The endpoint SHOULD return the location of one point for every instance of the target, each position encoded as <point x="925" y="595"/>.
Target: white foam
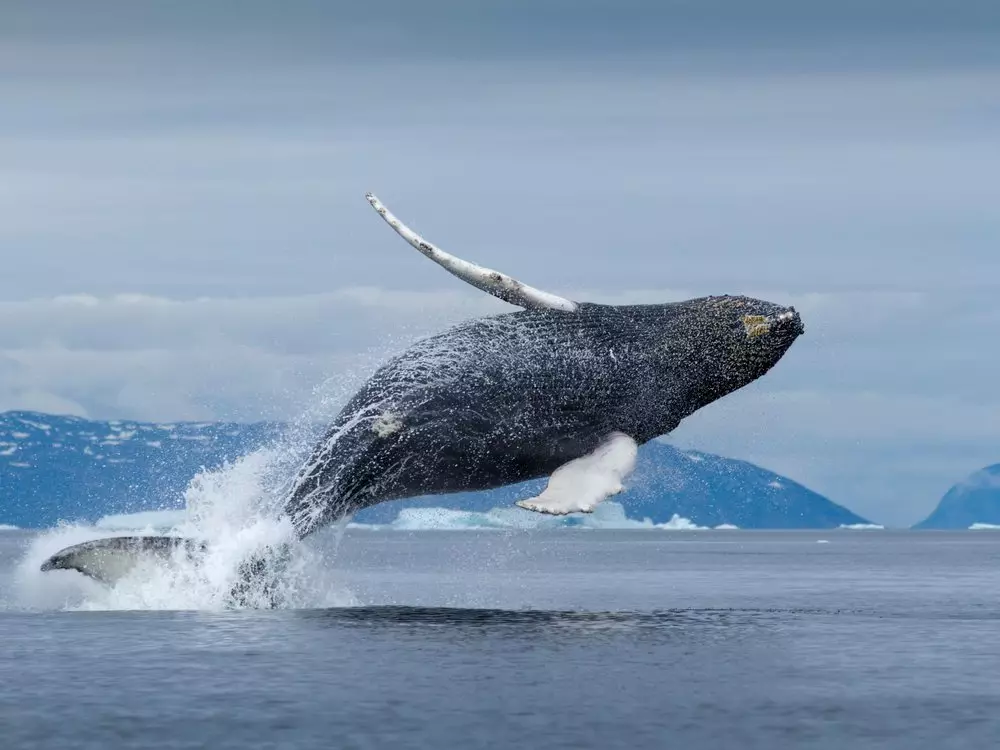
<point x="607" y="515"/>
<point x="985" y="527"/>
<point x="861" y="526"/>
<point x="231" y="509"/>
<point x="8" y="527"/>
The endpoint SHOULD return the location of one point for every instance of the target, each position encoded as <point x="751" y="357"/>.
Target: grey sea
<point x="554" y="639"/>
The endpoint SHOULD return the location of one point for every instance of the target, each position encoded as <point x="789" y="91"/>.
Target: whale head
<point x="725" y="343"/>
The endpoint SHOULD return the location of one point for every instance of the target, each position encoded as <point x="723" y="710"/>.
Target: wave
<point x="8" y="527"/>
<point x="607" y="515"/>
<point x="861" y="526"/>
<point x="985" y="527"/>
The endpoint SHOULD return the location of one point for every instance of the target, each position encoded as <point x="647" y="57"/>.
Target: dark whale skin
<point x="504" y="399"/>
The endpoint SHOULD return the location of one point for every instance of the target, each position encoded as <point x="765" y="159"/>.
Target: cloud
<point x="250" y="180"/>
<point x="144" y="357"/>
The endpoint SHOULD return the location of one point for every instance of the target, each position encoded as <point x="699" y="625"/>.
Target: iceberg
<point x="608" y="515"/>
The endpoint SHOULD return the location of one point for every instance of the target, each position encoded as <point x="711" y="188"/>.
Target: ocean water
<point x="529" y="638"/>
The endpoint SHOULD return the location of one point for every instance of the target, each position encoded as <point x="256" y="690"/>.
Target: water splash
<point x="234" y="510"/>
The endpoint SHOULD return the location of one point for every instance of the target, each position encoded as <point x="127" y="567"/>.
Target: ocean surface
<point x="566" y="638"/>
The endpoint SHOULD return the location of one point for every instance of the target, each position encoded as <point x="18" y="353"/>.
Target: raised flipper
<point x="577" y="487"/>
<point x="498" y="284"/>
<point x="111" y="559"/>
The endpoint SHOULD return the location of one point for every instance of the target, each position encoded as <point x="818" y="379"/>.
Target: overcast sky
<point x="184" y="234"/>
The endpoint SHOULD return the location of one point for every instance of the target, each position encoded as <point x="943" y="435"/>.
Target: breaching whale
<point x="560" y="389"/>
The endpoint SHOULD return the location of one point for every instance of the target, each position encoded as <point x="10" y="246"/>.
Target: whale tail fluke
<point x="111" y="559"/>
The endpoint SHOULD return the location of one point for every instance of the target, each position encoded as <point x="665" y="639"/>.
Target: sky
<point x="184" y="234"/>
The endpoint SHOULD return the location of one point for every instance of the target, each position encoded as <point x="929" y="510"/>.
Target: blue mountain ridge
<point x="58" y="468"/>
<point x="976" y="499"/>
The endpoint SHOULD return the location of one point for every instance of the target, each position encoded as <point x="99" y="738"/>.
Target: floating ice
<point x="860" y="526"/>
<point x="607" y="515"/>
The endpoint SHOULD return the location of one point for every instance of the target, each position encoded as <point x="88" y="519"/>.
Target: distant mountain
<point x="56" y="468"/>
<point x="706" y="489"/>
<point x="974" y="500"/>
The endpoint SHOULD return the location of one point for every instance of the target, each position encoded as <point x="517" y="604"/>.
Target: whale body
<point x="505" y="399"/>
<point x="559" y="388"/>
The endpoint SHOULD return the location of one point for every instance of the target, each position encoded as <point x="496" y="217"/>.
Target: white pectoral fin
<point x="493" y="282"/>
<point x="577" y="487"/>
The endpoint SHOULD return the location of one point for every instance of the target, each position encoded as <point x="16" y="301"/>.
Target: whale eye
<point x="755" y="325"/>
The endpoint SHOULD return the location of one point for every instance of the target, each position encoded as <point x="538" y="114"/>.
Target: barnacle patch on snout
<point x="387" y="424"/>
<point x="756" y="325"/>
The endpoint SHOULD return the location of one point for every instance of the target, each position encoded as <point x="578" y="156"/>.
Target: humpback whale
<point x="560" y="389"/>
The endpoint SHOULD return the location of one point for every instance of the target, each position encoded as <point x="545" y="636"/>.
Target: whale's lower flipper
<point x="108" y="560"/>
<point x="578" y="486"/>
